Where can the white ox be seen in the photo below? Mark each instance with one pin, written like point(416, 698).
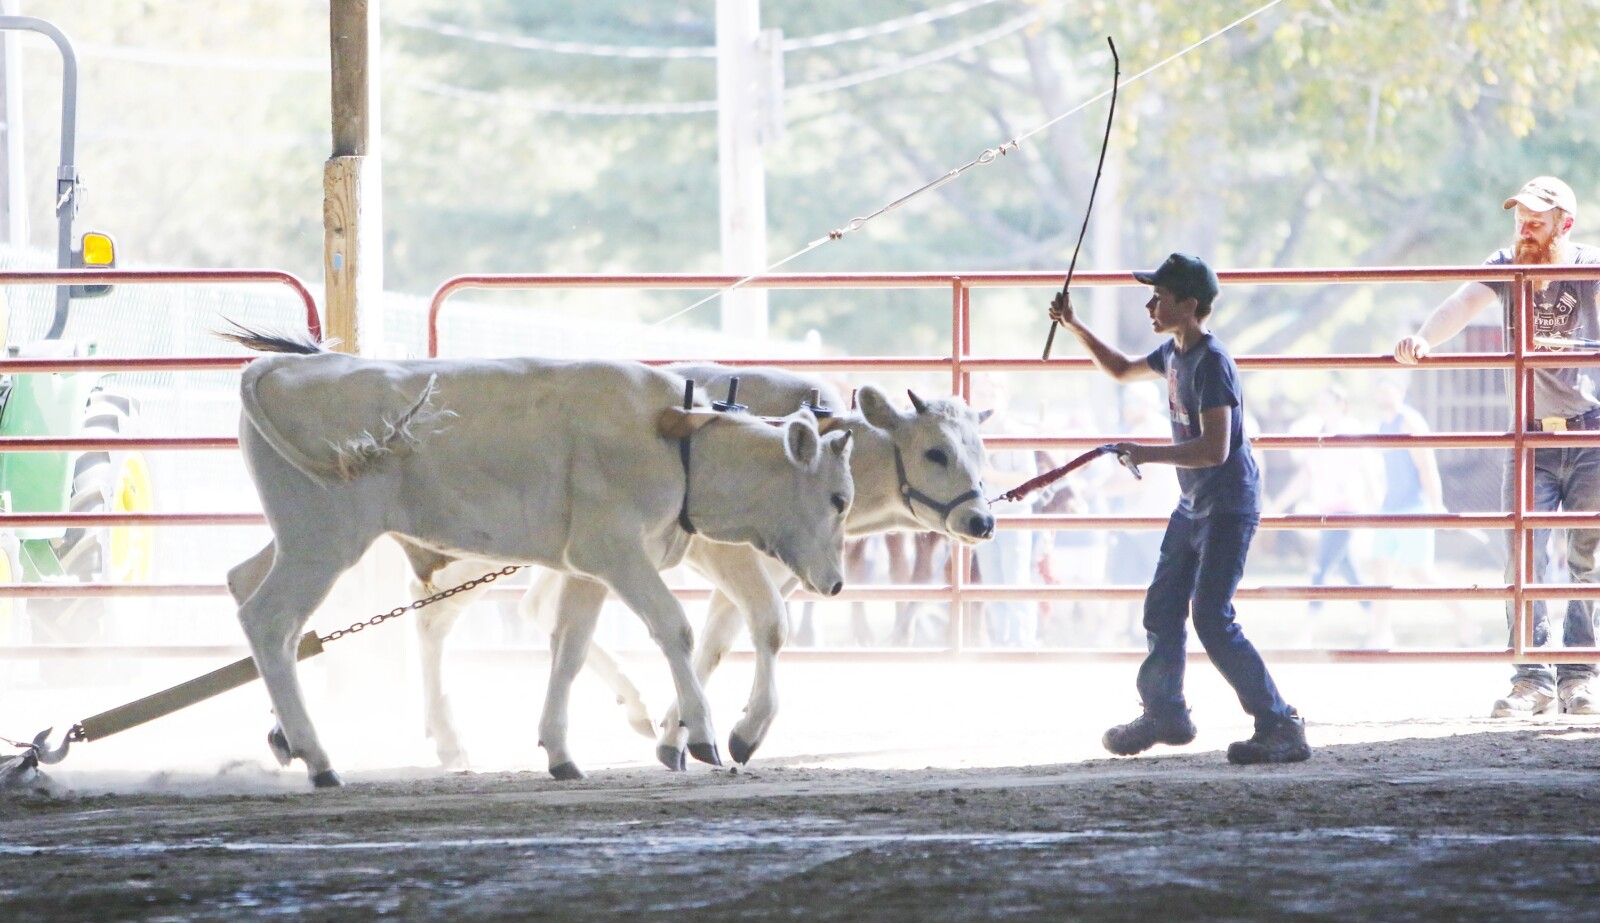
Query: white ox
point(525, 461)
point(919, 470)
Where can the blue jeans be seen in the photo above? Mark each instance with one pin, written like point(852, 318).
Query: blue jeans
point(1199, 568)
point(1333, 554)
point(1566, 479)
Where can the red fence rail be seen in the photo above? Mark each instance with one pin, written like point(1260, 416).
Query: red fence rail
point(960, 364)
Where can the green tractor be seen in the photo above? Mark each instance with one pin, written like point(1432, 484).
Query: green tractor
point(68, 404)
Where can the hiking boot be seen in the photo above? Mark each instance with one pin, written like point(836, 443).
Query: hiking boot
point(1526, 699)
point(1147, 730)
point(1576, 698)
point(1283, 741)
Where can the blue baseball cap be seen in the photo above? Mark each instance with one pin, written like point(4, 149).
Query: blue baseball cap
point(1185, 276)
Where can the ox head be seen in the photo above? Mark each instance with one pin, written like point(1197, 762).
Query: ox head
point(791, 498)
point(939, 462)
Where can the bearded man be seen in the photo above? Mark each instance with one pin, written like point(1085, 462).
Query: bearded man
point(1563, 399)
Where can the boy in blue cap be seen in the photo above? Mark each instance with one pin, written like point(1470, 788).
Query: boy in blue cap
point(1203, 552)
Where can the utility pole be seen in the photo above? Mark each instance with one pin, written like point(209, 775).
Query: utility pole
point(13, 198)
point(745, 92)
point(352, 183)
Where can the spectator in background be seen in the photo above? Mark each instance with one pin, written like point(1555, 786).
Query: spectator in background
point(1330, 481)
point(1073, 557)
point(1131, 556)
point(1008, 558)
point(1563, 399)
point(1411, 485)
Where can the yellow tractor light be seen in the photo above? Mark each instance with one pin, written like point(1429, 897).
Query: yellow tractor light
point(96, 250)
point(99, 250)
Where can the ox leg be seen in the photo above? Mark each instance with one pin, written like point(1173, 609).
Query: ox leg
point(749, 583)
point(716, 637)
point(272, 618)
point(245, 577)
point(434, 623)
point(635, 580)
point(579, 609)
point(538, 606)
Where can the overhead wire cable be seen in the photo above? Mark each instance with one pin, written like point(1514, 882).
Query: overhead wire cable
point(193, 60)
point(695, 107)
point(846, 81)
point(896, 68)
point(593, 49)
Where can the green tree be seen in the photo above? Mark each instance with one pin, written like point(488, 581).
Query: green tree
point(1333, 133)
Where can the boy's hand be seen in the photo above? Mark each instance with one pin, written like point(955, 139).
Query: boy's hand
point(1061, 308)
point(1135, 452)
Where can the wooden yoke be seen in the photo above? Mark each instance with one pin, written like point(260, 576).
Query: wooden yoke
point(677, 423)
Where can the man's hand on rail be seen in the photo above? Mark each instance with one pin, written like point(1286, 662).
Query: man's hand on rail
point(1411, 350)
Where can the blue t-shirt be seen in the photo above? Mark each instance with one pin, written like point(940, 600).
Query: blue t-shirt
point(1205, 378)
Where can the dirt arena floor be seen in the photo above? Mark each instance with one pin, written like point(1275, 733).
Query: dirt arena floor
point(918, 792)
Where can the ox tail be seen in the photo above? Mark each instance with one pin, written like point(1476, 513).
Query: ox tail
point(263, 342)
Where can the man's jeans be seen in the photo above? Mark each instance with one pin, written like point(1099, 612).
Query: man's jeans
point(1566, 479)
point(1200, 566)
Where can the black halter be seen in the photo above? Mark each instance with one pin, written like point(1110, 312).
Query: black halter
point(909, 493)
point(683, 511)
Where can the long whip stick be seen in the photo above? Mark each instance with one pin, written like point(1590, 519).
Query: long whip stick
point(1116, 78)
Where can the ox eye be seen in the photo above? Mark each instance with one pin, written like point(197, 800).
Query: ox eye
point(841, 502)
point(937, 456)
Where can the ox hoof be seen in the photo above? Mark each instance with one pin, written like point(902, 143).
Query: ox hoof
point(326, 779)
point(567, 772)
point(705, 753)
point(672, 758)
point(279, 745)
point(739, 750)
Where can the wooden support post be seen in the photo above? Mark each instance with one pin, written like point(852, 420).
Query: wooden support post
point(352, 211)
point(352, 254)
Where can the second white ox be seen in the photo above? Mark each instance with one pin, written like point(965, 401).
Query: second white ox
point(524, 461)
point(919, 470)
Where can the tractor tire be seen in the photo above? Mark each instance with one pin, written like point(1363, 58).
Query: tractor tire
point(103, 481)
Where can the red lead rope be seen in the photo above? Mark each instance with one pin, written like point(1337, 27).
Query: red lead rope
point(1050, 477)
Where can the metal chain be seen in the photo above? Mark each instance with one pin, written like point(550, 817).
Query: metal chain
point(398, 611)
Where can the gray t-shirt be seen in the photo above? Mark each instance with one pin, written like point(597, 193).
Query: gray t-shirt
point(1565, 308)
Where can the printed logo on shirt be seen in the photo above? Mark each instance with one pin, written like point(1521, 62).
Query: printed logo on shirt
point(1556, 315)
point(1175, 408)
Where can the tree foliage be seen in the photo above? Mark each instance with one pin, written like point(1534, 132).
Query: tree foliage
point(1319, 133)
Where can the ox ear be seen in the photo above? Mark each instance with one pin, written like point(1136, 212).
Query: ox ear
point(801, 442)
point(876, 408)
point(917, 403)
